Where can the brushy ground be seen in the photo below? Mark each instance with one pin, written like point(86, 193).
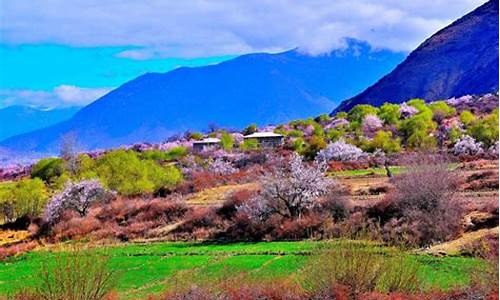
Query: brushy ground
point(151, 268)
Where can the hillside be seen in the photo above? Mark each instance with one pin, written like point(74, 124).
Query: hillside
point(255, 88)
point(20, 119)
point(458, 60)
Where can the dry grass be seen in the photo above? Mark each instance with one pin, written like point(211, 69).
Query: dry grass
point(217, 195)
point(454, 247)
point(12, 236)
point(356, 184)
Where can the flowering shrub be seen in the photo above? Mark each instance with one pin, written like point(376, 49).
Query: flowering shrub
point(221, 167)
point(493, 150)
point(370, 124)
point(76, 196)
point(237, 137)
point(337, 123)
point(174, 144)
point(308, 130)
point(407, 110)
point(467, 145)
point(290, 190)
point(340, 151)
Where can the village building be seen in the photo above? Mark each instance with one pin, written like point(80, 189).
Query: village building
point(206, 144)
point(266, 139)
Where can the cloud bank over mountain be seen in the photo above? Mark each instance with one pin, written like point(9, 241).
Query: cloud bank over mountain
point(60, 96)
point(207, 28)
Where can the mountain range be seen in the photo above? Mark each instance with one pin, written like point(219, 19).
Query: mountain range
point(19, 119)
point(255, 88)
point(264, 88)
point(460, 59)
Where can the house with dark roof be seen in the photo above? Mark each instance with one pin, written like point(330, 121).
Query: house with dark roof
point(206, 144)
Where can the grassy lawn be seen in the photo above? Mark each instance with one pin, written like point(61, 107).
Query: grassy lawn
point(377, 171)
point(367, 172)
point(149, 268)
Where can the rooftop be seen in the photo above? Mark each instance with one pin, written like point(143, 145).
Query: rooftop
point(207, 141)
point(261, 135)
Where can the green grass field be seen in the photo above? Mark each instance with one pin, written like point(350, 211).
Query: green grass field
point(377, 171)
point(150, 268)
point(366, 172)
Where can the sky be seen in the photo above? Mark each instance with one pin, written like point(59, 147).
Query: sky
point(59, 53)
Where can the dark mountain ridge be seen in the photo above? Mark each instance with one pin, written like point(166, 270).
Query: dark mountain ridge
point(460, 59)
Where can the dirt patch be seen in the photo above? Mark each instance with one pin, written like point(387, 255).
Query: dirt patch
point(217, 195)
point(454, 247)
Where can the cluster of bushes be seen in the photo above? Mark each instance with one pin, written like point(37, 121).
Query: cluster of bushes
point(120, 219)
point(76, 182)
point(297, 200)
point(25, 198)
point(413, 125)
point(126, 171)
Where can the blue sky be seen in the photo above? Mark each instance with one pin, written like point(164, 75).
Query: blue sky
point(48, 75)
point(56, 53)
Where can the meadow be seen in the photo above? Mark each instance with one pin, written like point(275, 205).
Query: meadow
point(144, 269)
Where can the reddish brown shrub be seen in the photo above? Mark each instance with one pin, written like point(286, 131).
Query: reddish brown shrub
point(16, 249)
point(122, 218)
point(243, 227)
point(203, 179)
point(379, 189)
point(306, 227)
point(233, 201)
point(199, 223)
point(357, 226)
point(335, 204)
point(352, 165)
point(231, 289)
point(75, 228)
point(421, 208)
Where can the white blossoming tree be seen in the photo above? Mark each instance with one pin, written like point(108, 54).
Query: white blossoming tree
point(290, 190)
point(407, 110)
point(76, 196)
point(340, 151)
point(221, 167)
point(371, 123)
point(467, 145)
point(493, 150)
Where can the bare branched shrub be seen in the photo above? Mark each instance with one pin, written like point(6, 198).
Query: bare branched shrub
point(422, 204)
point(237, 289)
point(360, 269)
point(122, 218)
point(79, 274)
point(335, 204)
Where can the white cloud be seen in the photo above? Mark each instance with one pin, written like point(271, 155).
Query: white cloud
point(204, 28)
point(60, 96)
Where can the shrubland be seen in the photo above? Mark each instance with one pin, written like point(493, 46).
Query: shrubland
point(142, 193)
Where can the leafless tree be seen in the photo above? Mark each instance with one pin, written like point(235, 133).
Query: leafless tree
point(424, 195)
point(69, 151)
